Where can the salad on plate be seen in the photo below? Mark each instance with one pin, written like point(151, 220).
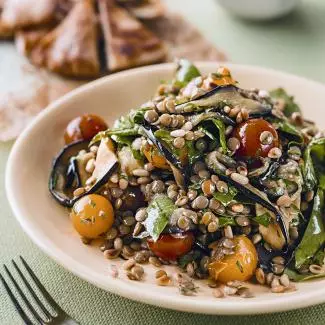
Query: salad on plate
point(223, 182)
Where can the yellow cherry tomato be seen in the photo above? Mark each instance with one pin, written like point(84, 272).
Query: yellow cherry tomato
point(92, 215)
point(239, 266)
point(155, 157)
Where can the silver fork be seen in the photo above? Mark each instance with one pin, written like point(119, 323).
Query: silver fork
point(46, 317)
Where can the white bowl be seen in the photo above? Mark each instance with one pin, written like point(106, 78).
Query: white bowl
point(48, 224)
point(259, 9)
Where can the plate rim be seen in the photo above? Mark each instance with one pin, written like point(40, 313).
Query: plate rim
point(180, 303)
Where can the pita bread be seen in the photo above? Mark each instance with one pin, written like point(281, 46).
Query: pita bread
point(128, 43)
point(71, 48)
point(26, 13)
point(145, 10)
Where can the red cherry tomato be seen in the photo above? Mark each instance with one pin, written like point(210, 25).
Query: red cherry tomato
point(172, 246)
point(249, 133)
point(84, 128)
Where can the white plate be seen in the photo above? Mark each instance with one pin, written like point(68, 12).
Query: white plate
point(48, 224)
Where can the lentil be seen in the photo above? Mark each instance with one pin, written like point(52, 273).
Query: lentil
point(241, 179)
point(260, 276)
point(179, 143)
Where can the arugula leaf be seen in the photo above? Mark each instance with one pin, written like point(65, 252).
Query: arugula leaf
point(226, 198)
point(314, 167)
point(186, 71)
point(264, 219)
point(314, 236)
point(124, 122)
point(290, 105)
point(159, 211)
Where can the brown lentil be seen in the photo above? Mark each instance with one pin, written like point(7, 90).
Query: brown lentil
point(275, 153)
point(179, 143)
point(218, 293)
point(111, 253)
point(163, 280)
point(201, 202)
point(127, 265)
point(228, 232)
point(278, 289)
point(284, 280)
point(142, 256)
point(241, 179)
point(153, 260)
point(222, 187)
point(284, 201)
point(260, 276)
point(165, 119)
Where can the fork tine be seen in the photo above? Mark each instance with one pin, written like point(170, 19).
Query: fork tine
point(45, 293)
point(23, 296)
point(15, 302)
point(32, 292)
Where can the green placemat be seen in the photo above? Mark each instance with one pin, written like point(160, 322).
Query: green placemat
point(295, 44)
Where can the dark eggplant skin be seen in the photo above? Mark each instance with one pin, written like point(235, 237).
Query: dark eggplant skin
point(226, 94)
point(177, 166)
point(251, 195)
point(65, 167)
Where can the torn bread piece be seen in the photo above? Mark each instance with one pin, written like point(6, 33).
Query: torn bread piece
point(71, 48)
point(145, 9)
point(5, 31)
point(26, 40)
point(128, 43)
point(18, 14)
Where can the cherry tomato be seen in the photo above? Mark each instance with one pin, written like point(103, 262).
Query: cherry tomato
point(84, 128)
point(155, 157)
point(172, 246)
point(92, 215)
point(239, 266)
point(249, 133)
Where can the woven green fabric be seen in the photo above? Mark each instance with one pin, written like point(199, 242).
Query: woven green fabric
point(295, 44)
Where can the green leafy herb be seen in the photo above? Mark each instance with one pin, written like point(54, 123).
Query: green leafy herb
point(226, 198)
point(297, 277)
point(226, 221)
point(290, 105)
point(188, 258)
point(314, 167)
point(314, 236)
point(186, 71)
point(117, 132)
point(165, 137)
point(289, 130)
point(240, 267)
point(264, 219)
point(159, 211)
point(193, 154)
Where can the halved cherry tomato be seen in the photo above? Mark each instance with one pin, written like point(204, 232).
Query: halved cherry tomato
point(172, 246)
point(239, 266)
point(84, 127)
point(92, 215)
point(248, 133)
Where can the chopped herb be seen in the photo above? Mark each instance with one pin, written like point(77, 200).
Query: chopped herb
point(240, 267)
point(264, 219)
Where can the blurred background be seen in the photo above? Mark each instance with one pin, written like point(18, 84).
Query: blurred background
point(50, 47)
point(293, 43)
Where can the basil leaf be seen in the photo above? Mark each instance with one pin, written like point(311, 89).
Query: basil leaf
point(226, 198)
point(186, 71)
point(265, 219)
point(159, 211)
point(314, 169)
point(290, 105)
point(314, 236)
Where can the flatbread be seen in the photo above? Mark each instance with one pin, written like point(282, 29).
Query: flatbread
point(71, 48)
point(128, 42)
point(144, 10)
point(26, 13)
